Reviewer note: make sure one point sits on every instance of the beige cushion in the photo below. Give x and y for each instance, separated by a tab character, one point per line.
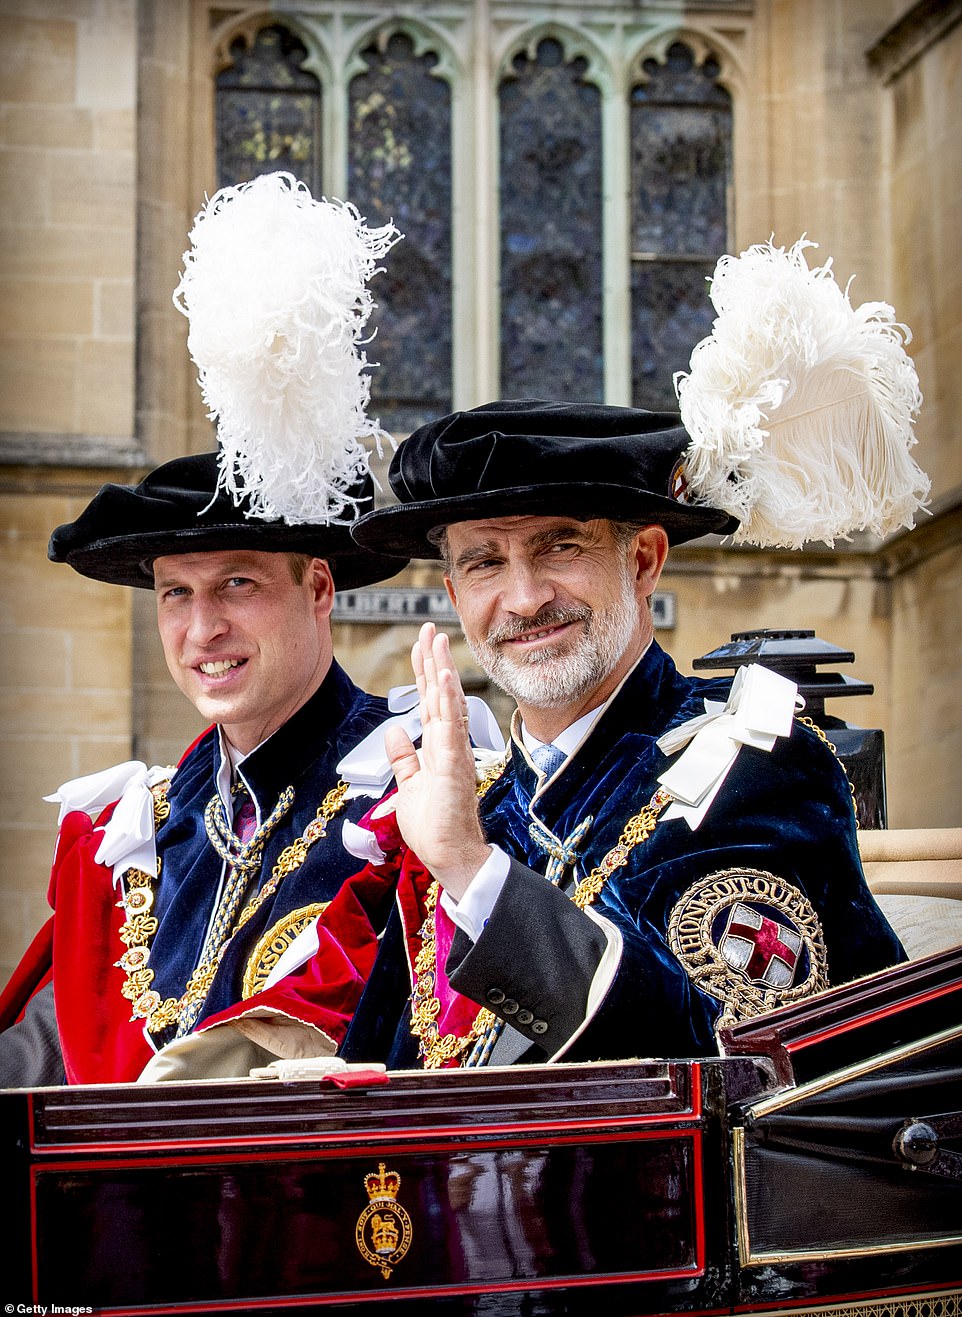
916	876
913	861
924	924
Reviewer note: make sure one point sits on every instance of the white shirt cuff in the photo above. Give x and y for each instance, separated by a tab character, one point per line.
472	911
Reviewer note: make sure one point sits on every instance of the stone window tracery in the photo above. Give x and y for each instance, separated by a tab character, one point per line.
399	168
268	111
680	177
563	202
550	189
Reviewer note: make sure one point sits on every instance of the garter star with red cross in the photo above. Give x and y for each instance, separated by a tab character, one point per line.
749	939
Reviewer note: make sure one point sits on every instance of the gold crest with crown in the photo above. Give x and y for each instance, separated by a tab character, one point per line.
383	1232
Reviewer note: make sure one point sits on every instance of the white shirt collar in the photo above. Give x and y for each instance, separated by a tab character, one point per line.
571	738
228	770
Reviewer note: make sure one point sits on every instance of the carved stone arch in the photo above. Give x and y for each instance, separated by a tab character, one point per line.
425	39
247	26
574	43
703	46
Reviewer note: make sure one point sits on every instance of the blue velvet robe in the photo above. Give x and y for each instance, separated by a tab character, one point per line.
304	754
94	1023
607	983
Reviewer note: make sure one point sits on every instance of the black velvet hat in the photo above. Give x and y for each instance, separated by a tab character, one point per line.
174	510
520	458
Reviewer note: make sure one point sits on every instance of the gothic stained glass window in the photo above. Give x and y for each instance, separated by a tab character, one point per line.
680	175
551	201
268	111
399	168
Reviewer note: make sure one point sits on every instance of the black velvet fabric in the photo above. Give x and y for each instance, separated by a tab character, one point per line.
174	510
522	457
787	813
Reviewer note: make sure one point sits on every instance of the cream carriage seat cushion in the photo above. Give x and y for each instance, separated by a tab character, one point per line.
916	876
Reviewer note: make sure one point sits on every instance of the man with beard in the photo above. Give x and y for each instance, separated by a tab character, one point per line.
659	855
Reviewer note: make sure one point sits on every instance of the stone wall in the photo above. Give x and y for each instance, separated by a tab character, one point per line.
67	219
919	66
65	704
67	222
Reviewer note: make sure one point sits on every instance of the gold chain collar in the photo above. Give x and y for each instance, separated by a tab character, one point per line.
436	1048
140	926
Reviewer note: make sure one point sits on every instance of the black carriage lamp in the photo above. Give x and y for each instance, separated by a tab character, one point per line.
798	654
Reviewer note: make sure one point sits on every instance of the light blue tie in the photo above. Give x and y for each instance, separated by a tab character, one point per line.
548	758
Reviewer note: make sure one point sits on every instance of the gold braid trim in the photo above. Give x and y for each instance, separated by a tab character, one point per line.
140	927
436	1048
638	829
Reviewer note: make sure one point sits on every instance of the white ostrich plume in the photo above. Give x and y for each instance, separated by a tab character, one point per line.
800	406
275	289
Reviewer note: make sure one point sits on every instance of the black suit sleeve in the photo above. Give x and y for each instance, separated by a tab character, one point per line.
536	961
30	1055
